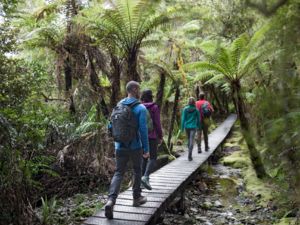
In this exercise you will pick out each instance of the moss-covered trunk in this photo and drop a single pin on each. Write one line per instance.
(254, 153)
(131, 70)
(115, 81)
(161, 88)
(173, 117)
(95, 83)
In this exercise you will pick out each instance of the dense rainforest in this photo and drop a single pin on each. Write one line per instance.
(64, 65)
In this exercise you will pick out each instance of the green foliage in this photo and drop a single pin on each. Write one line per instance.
(229, 63)
(89, 123)
(276, 89)
(48, 208)
(125, 24)
(224, 46)
(123, 27)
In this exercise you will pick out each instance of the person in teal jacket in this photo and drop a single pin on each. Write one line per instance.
(190, 122)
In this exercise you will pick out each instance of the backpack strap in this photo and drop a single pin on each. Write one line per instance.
(135, 103)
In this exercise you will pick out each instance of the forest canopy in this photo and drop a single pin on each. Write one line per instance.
(64, 65)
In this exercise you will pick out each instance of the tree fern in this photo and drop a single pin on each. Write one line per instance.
(126, 26)
(204, 66)
(230, 64)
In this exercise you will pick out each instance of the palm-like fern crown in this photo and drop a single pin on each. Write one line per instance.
(42, 27)
(127, 24)
(230, 62)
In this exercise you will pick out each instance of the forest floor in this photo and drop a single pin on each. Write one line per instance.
(225, 191)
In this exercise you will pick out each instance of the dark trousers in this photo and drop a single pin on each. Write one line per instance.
(204, 129)
(191, 137)
(149, 164)
(122, 158)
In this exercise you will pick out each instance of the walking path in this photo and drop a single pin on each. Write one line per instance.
(167, 183)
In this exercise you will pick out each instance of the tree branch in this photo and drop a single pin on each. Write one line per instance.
(47, 99)
(262, 7)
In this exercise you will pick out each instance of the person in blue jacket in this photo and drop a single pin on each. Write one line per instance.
(134, 151)
(190, 122)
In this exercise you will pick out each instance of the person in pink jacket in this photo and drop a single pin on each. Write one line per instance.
(155, 136)
(205, 110)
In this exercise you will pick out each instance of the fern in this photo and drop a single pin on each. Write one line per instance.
(88, 124)
(230, 63)
(125, 26)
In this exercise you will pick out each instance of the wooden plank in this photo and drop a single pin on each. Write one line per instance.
(170, 174)
(149, 198)
(152, 194)
(156, 190)
(180, 170)
(160, 186)
(131, 209)
(166, 180)
(177, 171)
(125, 216)
(173, 183)
(103, 221)
(148, 204)
(167, 177)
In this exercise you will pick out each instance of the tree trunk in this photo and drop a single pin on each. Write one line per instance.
(72, 108)
(173, 117)
(220, 108)
(197, 92)
(68, 75)
(132, 73)
(115, 81)
(95, 83)
(160, 91)
(254, 153)
(225, 103)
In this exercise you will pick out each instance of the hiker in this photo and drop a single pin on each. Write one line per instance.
(205, 110)
(129, 130)
(190, 122)
(155, 136)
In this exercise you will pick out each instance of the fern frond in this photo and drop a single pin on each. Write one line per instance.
(150, 43)
(224, 60)
(204, 76)
(204, 66)
(215, 78)
(256, 41)
(236, 49)
(210, 47)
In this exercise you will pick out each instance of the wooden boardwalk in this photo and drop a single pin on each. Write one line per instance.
(166, 183)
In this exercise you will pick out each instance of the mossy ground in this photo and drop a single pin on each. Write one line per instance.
(288, 221)
(266, 189)
(240, 159)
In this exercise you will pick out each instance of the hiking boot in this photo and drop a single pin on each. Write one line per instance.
(139, 201)
(199, 149)
(190, 158)
(109, 206)
(145, 183)
(207, 149)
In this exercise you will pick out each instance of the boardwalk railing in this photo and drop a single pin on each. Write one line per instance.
(166, 183)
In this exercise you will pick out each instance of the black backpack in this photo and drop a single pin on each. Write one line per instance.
(124, 125)
(206, 111)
